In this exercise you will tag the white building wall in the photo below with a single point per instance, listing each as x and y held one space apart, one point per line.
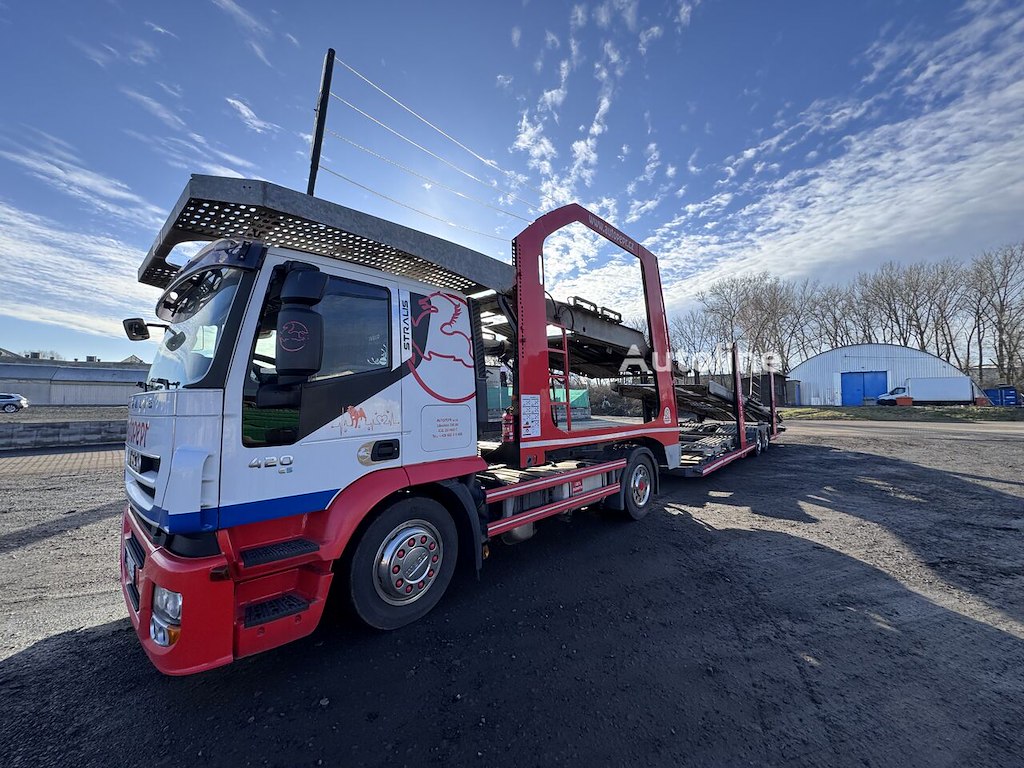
44 392
820 377
89 393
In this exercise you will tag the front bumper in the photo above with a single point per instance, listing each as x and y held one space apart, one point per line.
207 615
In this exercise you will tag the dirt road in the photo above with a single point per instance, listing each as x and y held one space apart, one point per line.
853 597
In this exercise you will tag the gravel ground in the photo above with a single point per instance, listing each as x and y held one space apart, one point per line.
854 597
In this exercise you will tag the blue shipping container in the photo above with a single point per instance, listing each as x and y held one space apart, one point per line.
1007 397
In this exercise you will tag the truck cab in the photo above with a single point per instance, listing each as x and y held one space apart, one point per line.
283 379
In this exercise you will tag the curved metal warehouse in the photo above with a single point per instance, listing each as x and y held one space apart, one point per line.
857 374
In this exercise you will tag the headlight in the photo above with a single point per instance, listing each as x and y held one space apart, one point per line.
167 603
163 633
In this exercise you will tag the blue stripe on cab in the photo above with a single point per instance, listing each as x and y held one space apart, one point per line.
257 511
237 514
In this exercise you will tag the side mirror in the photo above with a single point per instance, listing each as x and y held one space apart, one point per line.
300 328
135 328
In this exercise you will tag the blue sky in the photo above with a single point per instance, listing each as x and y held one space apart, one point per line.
806 138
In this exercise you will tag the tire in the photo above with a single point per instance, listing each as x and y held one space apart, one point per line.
758 444
10 408
384 599
638 478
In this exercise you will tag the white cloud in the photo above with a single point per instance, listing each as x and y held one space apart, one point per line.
575 52
653 33
598 125
531 139
53 285
578 18
551 40
142 52
292 39
517 34
242 17
160 30
685 12
613 61
584 160
60 170
155 108
101 55
216 169
258 50
670 171
639 208
504 81
628 9
652 162
944 179
170 89
250 119
552 99
204 146
691 163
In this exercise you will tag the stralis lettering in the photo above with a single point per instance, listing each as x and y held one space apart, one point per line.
137 431
406 328
612 234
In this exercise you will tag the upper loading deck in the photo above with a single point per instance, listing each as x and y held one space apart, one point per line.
213 207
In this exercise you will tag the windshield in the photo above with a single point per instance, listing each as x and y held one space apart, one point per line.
195 310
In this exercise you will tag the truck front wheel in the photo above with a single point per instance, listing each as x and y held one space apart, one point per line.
403 563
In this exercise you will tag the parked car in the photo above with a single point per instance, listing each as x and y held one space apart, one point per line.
11 402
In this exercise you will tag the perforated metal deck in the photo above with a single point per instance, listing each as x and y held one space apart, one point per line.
213 207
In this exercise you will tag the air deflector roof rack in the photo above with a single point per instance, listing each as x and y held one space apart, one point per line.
212 207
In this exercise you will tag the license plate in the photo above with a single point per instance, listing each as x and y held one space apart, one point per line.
133 459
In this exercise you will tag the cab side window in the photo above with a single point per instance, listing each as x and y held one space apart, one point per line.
278 410
357 332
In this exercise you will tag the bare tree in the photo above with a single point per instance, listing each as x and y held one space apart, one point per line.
1001 274
693 337
965 314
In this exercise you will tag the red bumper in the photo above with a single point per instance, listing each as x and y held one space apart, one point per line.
207 612
213 628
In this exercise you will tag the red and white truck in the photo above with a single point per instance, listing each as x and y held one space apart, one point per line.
315 417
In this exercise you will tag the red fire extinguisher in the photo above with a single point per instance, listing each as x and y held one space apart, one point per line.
508 426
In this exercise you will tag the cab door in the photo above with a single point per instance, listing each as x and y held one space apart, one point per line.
289 446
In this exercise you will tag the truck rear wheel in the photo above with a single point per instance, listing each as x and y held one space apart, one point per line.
638 479
403 563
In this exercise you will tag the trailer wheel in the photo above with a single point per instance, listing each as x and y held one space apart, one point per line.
638 478
403 563
758 443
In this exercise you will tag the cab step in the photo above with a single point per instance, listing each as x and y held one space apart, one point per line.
282 550
278 607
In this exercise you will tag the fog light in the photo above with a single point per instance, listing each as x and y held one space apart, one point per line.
167 603
163 633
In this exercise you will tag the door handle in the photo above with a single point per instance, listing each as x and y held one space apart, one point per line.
384 450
